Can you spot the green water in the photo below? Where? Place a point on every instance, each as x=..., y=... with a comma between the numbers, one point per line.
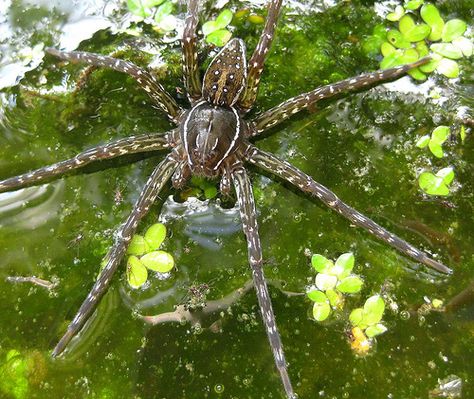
x=362, y=147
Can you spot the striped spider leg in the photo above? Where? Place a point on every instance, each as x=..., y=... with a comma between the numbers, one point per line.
x=293, y=105
x=305, y=183
x=123, y=235
x=248, y=214
x=257, y=61
x=191, y=77
x=145, y=79
x=126, y=146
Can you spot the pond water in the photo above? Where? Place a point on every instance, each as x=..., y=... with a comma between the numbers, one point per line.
x=362, y=147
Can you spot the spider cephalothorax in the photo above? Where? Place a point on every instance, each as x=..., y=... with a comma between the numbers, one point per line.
x=213, y=139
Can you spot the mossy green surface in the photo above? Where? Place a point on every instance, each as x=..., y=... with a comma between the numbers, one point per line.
x=362, y=147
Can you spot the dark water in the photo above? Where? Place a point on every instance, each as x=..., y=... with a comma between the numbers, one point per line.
x=362, y=147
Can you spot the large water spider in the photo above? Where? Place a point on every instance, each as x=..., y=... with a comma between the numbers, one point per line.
x=213, y=139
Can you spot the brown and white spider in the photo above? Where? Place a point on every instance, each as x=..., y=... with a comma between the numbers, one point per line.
x=213, y=139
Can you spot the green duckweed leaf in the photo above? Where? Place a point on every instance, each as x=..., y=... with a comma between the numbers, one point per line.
x=392, y=60
x=350, y=285
x=256, y=19
x=356, y=316
x=373, y=309
x=396, y=14
x=321, y=311
x=163, y=11
x=422, y=48
x=335, y=299
x=320, y=263
x=410, y=55
x=158, y=261
x=317, y=296
x=325, y=281
x=440, y=134
x=138, y=8
x=137, y=273
x=375, y=330
x=448, y=68
x=219, y=37
x=447, y=174
x=464, y=45
x=138, y=246
x=343, y=266
x=209, y=27
x=416, y=73
x=423, y=141
x=386, y=49
x=155, y=235
x=224, y=19
x=453, y=29
x=411, y=31
x=436, y=149
x=447, y=50
x=432, y=185
x=395, y=38
x=432, y=64
x=413, y=4
x=462, y=133
x=151, y=3
x=430, y=14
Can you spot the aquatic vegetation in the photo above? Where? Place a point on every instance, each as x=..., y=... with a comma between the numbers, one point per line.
x=158, y=12
x=354, y=221
x=332, y=281
x=436, y=184
x=421, y=32
x=435, y=141
x=215, y=31
x=145, y=255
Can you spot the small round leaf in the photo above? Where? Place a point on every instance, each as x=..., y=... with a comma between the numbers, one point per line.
x=219, y=37
x=447, y=50
x=414, y=4
x=440, y=134
x=453, y=29
x=343, y=266
x=373, y=309
x=395, y=38
x=430, y=14
x=321, y=311
x=448, y=68
x=356, y=316
x=136, y=272
x=436, y=149
x=432, y=185
x=375, y=330
x=423, y=141
x=138, y=246
x=465, y=45
x=320, y=263
x=317, y=296
x=396, y=14
x=155, y=235
x=447, y=174
x=224, y=19
x=386, y=48
x=350, y=285
x=325, y=281
x=209, y=27
x=158, y=261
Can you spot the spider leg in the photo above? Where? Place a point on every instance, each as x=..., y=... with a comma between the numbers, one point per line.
x=248, y=213
x=124, y=234
x=293, y=105
x=145, y=79
x=257, y=61
x=305, y=183
x=129, y=145
x=192, y=80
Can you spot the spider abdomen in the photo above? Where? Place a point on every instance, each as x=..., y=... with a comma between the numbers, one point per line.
x=210, y=135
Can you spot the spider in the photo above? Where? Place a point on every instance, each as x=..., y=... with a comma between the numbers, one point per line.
x=214, y=139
